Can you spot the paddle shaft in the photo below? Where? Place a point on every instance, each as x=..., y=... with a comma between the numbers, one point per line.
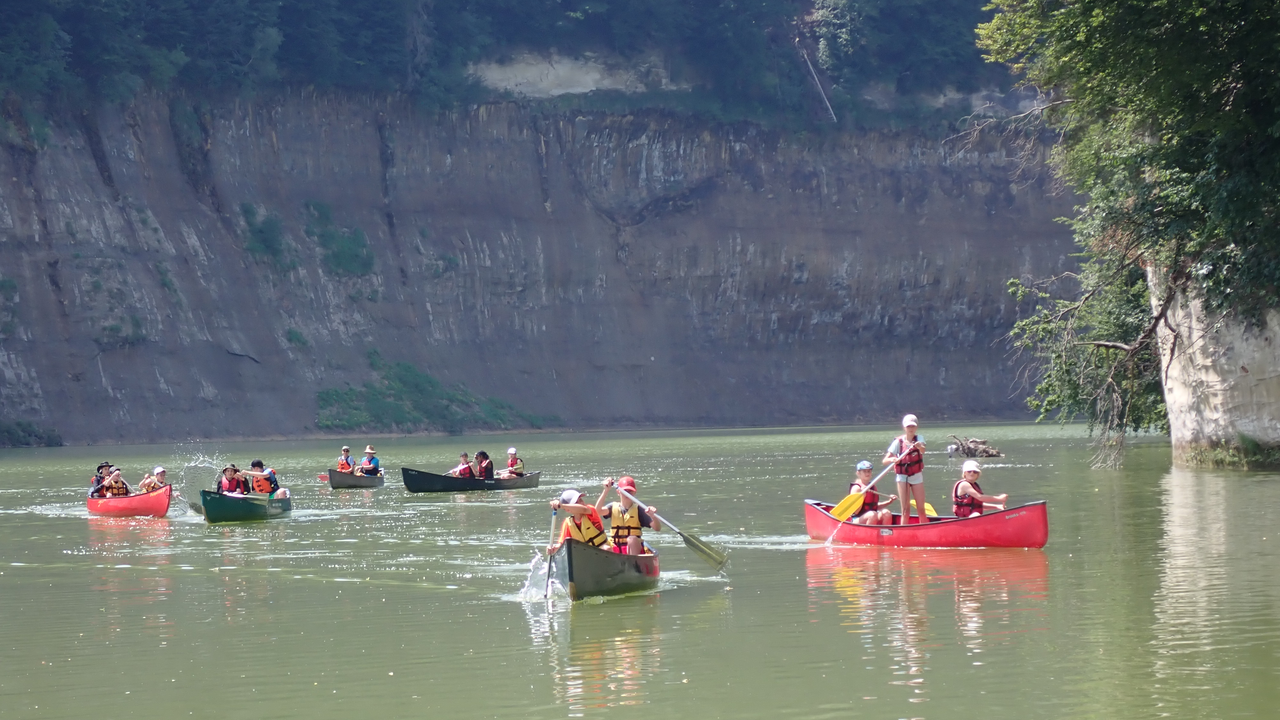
x=546, y=591
x=645, y=508
x=883, y=472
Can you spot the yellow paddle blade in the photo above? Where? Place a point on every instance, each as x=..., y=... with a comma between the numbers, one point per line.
x=848, y=506
x=928, y=509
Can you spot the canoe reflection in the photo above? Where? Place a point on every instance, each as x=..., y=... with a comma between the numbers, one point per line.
x=883, y=595
x=134, y=577
x=608, y=655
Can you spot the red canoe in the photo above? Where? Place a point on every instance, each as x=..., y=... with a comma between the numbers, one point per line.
x=154, y=504
x=1026, y=526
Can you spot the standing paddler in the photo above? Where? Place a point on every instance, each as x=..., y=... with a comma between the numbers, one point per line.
x=906, y=454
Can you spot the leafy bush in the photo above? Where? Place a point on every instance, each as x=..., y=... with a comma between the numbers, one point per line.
x=266, y=236
x=21, y=433
x=406, y=399
x=296, y=338
x=346, y=252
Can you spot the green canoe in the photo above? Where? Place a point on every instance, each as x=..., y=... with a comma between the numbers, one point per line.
x=218, y=508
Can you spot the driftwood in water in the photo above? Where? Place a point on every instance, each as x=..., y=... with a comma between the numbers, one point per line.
x=973, y=447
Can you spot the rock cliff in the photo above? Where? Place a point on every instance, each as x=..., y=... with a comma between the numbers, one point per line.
x=611, y=270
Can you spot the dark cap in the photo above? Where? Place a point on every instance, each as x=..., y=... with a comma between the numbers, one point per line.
x=257, y=463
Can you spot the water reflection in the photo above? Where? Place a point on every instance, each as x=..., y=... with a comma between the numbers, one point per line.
x=604, y=655
x=134, y=581
x=1193, y=579
x=867, y=584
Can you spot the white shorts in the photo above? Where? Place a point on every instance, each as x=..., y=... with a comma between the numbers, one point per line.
x=911, y=479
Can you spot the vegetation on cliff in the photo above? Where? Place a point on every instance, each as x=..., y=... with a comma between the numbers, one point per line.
x=746, y=58
x=403, y=398
x=21, y=433
x=1170, y=118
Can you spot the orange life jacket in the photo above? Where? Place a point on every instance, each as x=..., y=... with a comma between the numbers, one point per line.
x=967, y=505
x=344, y=465
x=266, y=485
x=116, y=488
x=913, y=463
x=590, y=532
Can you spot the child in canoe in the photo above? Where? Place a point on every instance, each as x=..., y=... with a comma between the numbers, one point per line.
x=583, y=524
x=871, y=512
x=626, y=518
x=967, y=497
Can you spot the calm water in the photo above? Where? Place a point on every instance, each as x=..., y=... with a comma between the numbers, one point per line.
x=1147, y=601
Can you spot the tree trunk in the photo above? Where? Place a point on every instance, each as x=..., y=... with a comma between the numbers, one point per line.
x=1221, y=384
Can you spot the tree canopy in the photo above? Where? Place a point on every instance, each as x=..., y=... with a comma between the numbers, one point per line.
x=743, y=55
x=1169, y=115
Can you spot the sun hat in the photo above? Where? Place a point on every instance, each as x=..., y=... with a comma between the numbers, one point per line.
x=369, y=449
x=511, y=451
x=909, y=420
x=570, y=497
x=103, y=465
x=628, y=482
x=864, y=464
x=346, y=448
x=230, y=467
x=157, y=471
x=971, y=466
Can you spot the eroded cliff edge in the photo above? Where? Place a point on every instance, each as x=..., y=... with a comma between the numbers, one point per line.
x=607, y=269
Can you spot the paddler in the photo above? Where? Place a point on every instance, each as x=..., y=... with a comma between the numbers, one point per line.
x=967, y=497
x=232, y=482
x=484, y=466
x=154, y=481
x=515, y=466
x=115, y=486
x=583, y=524
x=346, y=463
x=871, y=513
x=906, y=454
x=369, y=466
x=261, y=478
x=626, y=519
x=99, y=479
x=464, y=468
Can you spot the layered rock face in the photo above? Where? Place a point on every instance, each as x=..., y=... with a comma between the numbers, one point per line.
x=1222, y=380
x=610, y=270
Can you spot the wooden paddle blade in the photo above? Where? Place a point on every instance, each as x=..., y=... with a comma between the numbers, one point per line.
x=848, y=506
x=196, y=508
x=715, y=557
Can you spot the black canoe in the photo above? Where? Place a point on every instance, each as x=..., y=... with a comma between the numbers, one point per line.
x=592, y=571
x=217, y=507
x=420, y=481
x=340, y=480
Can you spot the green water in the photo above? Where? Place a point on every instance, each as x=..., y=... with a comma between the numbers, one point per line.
x=1158, y=594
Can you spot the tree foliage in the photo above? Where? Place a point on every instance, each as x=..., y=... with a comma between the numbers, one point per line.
x=743, y=56
x=1169, y=113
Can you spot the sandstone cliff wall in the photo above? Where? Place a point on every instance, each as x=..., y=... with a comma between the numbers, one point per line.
x=611, y=270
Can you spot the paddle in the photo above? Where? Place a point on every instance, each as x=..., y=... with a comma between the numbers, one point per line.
x=546, y=592
x=715, y=557
x=928, y=509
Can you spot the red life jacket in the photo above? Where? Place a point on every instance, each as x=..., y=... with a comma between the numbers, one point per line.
x=236, y=484
x=486, y=469
x=967, y=505
x=913, y=463
x=465, y=472
x=870, y=500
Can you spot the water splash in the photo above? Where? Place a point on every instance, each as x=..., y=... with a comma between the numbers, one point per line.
x=536, y=588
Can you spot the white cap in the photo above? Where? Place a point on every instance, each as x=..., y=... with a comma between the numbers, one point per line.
x=570, y=497
x=971, y=466
x=909, y=420
x=511, y=451
x=157, y=471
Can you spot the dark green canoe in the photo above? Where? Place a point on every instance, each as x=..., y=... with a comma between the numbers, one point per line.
x=593, y=572
x=217, y=507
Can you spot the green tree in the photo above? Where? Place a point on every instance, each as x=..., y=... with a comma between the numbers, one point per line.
x=1169, y=115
